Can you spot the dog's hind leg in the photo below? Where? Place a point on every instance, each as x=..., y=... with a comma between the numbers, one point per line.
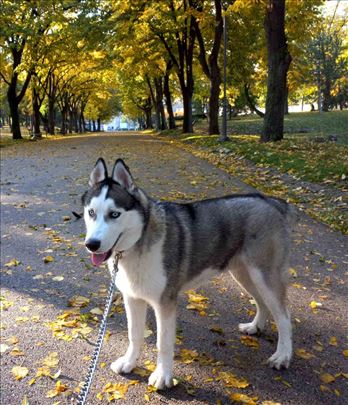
x=136, y=316
x=274, y=299
x=241, y=275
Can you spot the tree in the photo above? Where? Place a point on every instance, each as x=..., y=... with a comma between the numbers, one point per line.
x=325, y=53
x=279, y=60
x=175, y=29
x=18, y=27
x=24, y=25
x=209, y=48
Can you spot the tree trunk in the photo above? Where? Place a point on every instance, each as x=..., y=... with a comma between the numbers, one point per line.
x=159, y=104
x=187, y=126
x=148, y=119
x=210, y=66
x=76, y=122
x=168, y=98
x=286, y=107
x=52, y=90
x=70, y=126
x=98, y=125
x=326, y=96
x=51, y=116
x=64, y=113
x=13, y=98
x=14, y=111
x=154, y=102
x=36, y=115
x=183, y=62
x=83, y=122
x=215, y=81
x=81, y=125
x=279, y=60
x=250, y=101
x=45, y=122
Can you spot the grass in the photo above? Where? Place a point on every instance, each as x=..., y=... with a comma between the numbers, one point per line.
x=296, y=125
x=303, y=158
x=301, y=155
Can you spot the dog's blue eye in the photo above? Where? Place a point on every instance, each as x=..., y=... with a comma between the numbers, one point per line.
x=114, y=214
x=91, y=213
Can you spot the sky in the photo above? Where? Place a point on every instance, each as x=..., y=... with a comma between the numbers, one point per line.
x=330, y=6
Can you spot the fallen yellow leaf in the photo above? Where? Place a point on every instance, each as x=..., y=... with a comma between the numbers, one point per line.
x=250, y=341
x=303, y=354
x=78, y=301
x=32, y=381
x=327, y=378
x=333, y=341
x=217, y=329
x=48, y=259
x=141, y=372
x=13, y=262
x=51, y=360
x=3, y=348
x=25, y=401
x=59, y=388
x=19, y=372
x=292, y=272
x=231, y=380
x=314, y=304
x=188, y=356
x=242, y=398
x=58, y=278
x=96, y=311
x=13, y=340
x=16, y=352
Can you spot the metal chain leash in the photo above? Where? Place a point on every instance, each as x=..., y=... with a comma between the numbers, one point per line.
x=81, y=400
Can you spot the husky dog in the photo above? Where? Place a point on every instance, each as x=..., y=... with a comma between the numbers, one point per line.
x=169, y=247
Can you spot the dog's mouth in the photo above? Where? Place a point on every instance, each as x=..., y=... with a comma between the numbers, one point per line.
x=99, y=258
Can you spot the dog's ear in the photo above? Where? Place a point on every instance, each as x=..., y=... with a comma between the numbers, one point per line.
x=121, y=175
x=99, y=173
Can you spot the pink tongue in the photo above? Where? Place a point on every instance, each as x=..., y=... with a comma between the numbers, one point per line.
x=97, y=259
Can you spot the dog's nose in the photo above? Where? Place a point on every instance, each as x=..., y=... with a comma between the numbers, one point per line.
x=93, y=244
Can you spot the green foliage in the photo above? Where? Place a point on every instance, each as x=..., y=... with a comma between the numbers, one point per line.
x=103, y=55
x=309, y=156
x=305, y=157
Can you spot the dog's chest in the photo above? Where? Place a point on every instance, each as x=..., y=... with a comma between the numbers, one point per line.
x=143, y=277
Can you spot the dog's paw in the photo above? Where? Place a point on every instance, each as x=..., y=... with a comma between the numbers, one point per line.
x=280, y=359
x=249, y=328
x=161, y=379
x=123, y=365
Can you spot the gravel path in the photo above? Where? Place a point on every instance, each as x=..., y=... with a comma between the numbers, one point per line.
x=44, y=267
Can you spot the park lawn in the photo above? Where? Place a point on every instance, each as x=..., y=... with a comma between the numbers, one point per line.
x=299, y=125
x=304, y=155
x=299, y=155
x=302, y=158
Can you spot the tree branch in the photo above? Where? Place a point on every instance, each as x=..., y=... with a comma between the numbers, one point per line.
x=24, y=88
x=4, y=79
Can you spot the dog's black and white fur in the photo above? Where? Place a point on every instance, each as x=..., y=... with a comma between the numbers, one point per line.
x=169, y=247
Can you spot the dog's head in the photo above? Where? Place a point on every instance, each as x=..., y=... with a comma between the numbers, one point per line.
x=113, y=212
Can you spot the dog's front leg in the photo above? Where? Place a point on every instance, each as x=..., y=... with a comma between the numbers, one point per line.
x=162, y=377
x=136, y=316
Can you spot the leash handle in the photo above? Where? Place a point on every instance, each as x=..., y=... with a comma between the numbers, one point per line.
x=81, y=400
